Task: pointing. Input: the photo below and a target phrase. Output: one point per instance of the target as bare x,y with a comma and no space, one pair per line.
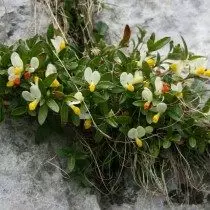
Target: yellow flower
174,67
58,43
32,106
88,124
151,62
179,95
126,81
200,71
130,87
92,87
78,99
92,77
207,73
10,83
75,109
139,142
55,84
156,118
34,96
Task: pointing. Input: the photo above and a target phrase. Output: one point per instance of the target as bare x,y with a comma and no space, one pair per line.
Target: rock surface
189,18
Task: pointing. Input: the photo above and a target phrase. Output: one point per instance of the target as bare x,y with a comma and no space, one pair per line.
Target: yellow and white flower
92,77
58,43
34,96
138,77
78,100
126,81
137,134
51,69
198,66
34,64
161,108
177,89
180,68
84,115
14,72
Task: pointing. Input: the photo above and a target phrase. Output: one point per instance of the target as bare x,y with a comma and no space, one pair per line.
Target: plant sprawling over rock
132,106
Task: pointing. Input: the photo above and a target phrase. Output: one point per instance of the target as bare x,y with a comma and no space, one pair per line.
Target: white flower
14,72
78,99
126,81
180,68
161,107
92,78
34,64
198,66
158,85
137,134
51,69
34,96
58,43
138,77
147,94
177,87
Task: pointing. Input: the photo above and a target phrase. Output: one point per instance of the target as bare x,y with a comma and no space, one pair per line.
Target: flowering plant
137,100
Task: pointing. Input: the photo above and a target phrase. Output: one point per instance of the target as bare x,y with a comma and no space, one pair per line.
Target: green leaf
105,85
118,90
175,113
98,98
53,105
192,142
138,103
185,48
71,163
146,69
101,28
166,144
49,80
50,32
123,119
154,150
64,112
111,121
19,111
159,44
42,87
42,115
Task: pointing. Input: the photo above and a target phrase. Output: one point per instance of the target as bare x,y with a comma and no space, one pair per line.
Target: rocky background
30,175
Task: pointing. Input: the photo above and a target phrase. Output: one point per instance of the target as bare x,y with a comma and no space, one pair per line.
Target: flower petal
16,60
27,96
96,77
11,71
88,75
130,78
161,107
141,131
158,85
79,96
123,79
34,63
51,69
132,133
147,94
56,45
36,93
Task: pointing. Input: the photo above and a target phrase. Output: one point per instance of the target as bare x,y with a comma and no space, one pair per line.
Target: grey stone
189,18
